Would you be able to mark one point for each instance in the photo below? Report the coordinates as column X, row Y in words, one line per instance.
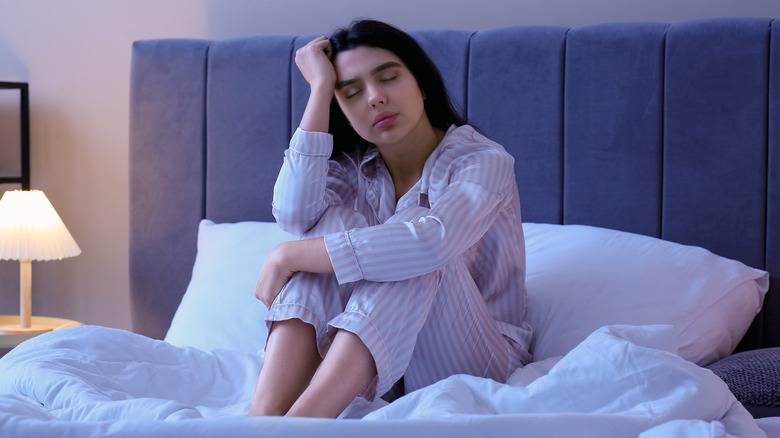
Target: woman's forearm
column 307, row 255
column 313, row 60
column 316, row 116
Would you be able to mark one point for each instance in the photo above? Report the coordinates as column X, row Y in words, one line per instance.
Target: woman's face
column 378, row 95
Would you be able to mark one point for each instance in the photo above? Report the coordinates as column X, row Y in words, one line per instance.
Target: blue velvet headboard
column 666, row 130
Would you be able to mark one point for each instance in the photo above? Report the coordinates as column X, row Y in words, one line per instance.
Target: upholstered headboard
column 666, row 130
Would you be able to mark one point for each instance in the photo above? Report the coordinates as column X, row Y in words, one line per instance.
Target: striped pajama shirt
column 434, row 285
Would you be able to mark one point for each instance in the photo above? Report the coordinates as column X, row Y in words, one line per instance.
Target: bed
column 647, row 160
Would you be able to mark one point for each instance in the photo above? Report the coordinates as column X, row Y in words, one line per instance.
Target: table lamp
column 30, row 229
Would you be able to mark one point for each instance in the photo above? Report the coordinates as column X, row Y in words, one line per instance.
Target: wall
column 76, row 57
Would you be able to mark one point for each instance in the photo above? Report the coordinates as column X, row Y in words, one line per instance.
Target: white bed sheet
column 770, row 426
column 621, row 381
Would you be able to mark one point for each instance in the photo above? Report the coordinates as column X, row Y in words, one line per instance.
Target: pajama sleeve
column 309, row 182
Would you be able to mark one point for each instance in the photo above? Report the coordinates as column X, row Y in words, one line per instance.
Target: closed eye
column 351, row 92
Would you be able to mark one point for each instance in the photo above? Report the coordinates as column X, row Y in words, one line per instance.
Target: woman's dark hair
column 370, row 33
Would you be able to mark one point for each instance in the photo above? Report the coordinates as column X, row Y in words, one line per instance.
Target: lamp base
column 9, row 329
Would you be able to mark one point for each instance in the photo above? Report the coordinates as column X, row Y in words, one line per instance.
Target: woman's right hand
column 313, row 60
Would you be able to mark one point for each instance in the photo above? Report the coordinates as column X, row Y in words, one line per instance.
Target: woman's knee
column 336, row 218
column 314, row 291
column 408, row 214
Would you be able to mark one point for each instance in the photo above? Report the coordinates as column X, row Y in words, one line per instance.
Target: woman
column 412, row 259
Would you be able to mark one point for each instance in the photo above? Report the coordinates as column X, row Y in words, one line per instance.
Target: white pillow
column 219, row 309
column 581, row 278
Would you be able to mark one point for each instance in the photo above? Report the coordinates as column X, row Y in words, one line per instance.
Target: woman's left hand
column 307, row 255
column 273, row 277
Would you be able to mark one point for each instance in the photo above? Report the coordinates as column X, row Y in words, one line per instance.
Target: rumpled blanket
column 622, row 381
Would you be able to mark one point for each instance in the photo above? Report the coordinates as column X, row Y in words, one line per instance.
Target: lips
column 384, row 119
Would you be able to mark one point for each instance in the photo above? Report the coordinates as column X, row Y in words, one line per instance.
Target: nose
column 376, row 96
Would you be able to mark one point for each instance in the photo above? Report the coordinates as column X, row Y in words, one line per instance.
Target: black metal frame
column 24, row 128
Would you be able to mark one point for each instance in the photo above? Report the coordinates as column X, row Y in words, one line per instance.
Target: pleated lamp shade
column 30, row 228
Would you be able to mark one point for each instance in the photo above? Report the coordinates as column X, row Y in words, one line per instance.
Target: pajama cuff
column 342, row 257
column 312, row 143
column 364, row 328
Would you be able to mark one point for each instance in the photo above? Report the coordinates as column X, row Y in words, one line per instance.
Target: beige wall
column 76, row 56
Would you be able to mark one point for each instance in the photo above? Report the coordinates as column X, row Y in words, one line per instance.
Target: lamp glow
column 31, row 230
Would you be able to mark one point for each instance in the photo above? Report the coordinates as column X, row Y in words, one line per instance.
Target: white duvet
column 622, row 381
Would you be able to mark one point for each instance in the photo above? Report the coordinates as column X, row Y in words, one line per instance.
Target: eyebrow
column 385, row 66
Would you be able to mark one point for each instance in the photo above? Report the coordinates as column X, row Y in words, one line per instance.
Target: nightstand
column 11, row 340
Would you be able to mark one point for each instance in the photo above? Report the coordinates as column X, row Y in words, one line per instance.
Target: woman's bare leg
column 345, row 372
column 291, row 358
